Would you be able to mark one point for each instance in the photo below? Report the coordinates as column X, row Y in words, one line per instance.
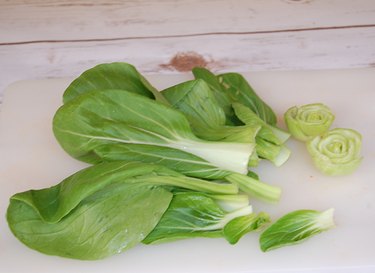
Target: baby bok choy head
column 108, row 125
column 102, row 210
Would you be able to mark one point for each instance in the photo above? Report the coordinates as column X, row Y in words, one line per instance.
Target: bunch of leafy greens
column 167, row 165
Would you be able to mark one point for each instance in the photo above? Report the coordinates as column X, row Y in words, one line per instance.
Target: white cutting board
column 31, row 158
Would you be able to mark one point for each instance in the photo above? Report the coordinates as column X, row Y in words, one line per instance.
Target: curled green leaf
column 337, row 152
column 308, row 121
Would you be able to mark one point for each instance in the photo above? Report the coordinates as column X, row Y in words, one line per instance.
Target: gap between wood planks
column 188, row 35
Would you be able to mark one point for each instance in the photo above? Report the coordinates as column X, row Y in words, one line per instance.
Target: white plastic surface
column 31, row 158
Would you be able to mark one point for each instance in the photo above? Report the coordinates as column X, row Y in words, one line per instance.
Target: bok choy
column 101, row 210
column 233, row 87
column 195, row 214
column 106, row 125
column 205, row 103
column 168, row 165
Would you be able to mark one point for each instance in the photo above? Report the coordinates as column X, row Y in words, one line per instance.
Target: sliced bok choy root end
column 308, row 121
column 337, row 152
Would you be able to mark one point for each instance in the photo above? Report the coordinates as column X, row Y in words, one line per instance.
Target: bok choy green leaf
column 197, row 101
column 101, row 210
column 219, row 92
column 240, row 91
column 206, row 116
column 117, row 75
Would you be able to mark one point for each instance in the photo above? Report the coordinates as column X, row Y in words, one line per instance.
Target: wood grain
column 54, row 38
column 50, row 20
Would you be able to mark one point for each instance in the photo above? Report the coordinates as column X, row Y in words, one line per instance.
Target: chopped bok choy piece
column 295, row 227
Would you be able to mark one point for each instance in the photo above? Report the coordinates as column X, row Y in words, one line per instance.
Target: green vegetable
column 197, row 101
column 236, row 228
column 101, row 210
column 277, row 154
column 233, row 87
column 240, row 91
column 107, row 125
column 193, row 214
column 295, row 227
column 308, row 121
column 267, row 132
column 337, row 152
column 221, row 96
column 206, row 117
column 112, row 76
column 269, row 140
column 208, row 121
column 200, row 136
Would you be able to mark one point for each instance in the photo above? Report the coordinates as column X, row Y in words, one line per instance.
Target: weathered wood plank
column 40, row 20
column 328, row 49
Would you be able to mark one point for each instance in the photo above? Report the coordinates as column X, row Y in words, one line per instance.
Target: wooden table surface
column 51, row 38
